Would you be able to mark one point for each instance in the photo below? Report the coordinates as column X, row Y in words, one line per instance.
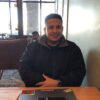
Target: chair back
column 10, row 52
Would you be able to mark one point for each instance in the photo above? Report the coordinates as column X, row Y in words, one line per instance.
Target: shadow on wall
column 87, row 41
column 93, row 68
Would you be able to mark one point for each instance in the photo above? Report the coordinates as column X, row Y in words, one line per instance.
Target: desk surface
column 82, row 93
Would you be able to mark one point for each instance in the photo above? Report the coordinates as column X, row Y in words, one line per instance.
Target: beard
column 55, row 36
column 54, row 39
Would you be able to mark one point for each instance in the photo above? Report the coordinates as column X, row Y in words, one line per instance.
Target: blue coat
column 63, row 62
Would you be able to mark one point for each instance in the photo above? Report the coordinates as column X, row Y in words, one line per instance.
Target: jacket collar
column 42, row 40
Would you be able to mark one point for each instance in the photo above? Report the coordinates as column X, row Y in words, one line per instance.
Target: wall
column 84, row 25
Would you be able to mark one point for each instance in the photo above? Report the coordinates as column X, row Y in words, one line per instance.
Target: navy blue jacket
column 63, row 62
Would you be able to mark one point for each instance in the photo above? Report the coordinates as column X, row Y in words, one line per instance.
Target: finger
column 39, row 83
column 43, row 86
column 46, row 77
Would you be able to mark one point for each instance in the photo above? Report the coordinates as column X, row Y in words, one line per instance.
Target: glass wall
column 4, row 18
column 34, row 12
column 8, row 17
column 22, row 17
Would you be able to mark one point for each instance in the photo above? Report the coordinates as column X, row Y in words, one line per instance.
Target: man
column 34, row 37
column 52, row 61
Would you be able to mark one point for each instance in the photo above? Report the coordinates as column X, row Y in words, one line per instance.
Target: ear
column 62, row 28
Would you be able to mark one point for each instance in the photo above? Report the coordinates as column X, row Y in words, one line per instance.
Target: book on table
column 67, row 94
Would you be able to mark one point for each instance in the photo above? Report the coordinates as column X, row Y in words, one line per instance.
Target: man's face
column 35, row 36
column 53, row 29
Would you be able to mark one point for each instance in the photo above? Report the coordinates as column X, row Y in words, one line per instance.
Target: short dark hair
column 35, row 33
column 53, row 15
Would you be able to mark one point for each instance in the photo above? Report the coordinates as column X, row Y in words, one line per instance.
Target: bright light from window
column 45, row 12
column 25, row 18
column 4, row 18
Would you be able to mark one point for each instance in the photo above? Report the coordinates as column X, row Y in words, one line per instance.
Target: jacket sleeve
column 28, row 75
column 77, row 69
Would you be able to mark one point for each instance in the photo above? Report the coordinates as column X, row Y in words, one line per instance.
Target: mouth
column 55, row 35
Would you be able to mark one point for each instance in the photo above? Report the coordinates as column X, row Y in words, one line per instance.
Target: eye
column 58, row 27
column 50, row 27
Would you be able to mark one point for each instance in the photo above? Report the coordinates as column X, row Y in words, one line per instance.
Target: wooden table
column 10, row 93
column 82, row 93
column 86, row 93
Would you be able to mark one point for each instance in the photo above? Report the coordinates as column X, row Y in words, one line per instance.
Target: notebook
column 49, row 95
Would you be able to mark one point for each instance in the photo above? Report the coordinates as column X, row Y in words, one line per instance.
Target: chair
column 93, row 68
column 10, row 53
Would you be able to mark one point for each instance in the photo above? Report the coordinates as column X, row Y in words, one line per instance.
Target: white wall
column 84, row 25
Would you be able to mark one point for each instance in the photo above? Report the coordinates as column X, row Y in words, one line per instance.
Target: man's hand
column 49, row 82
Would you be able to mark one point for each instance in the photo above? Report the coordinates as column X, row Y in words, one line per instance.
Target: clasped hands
column 49, row 82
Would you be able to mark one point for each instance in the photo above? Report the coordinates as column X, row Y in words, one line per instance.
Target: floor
column 11, row 78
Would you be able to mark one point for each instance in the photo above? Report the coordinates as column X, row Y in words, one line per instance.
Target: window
column 31, row 16
column 8, row 17
column 34, row 12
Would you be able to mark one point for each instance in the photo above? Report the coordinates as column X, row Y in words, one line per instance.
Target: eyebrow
column 51, row 26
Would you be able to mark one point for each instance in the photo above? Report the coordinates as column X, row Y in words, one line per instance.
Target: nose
column 55, row 30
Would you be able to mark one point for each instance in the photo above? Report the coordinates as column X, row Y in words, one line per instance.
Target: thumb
column 46, row 77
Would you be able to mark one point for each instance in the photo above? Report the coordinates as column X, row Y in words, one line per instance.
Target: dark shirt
column 63, row 62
